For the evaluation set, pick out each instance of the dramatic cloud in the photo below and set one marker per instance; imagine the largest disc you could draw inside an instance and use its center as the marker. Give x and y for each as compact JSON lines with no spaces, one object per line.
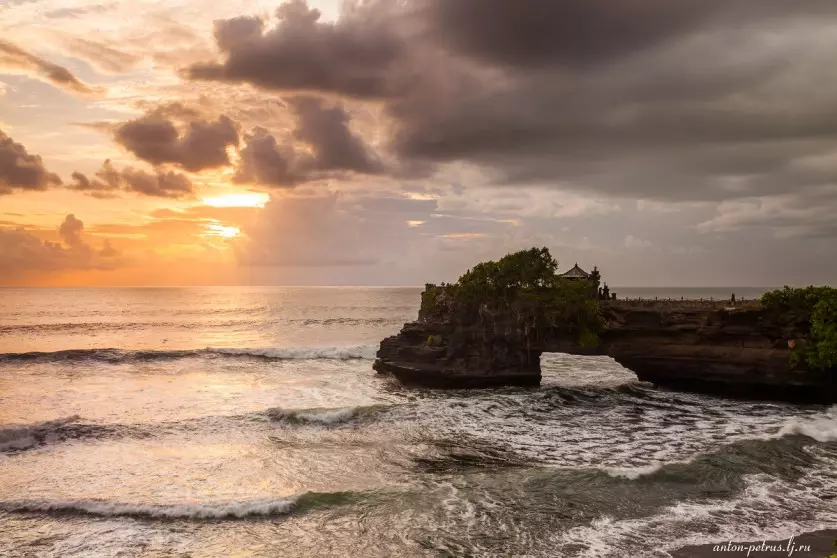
{"x":20,"y":170}
{"x":669,"y":141}
{"x":108,"y":181}
{"x":326,"y":130}
{"x":264,"y":161}
{"x":354,"y":56}
{"x":571,"y":33}
{"x":331,"y":147}
{"x":22,"y":251}
{"x":202,"y":145}
{"x":694,"y":100}
{"x":15,"y":58}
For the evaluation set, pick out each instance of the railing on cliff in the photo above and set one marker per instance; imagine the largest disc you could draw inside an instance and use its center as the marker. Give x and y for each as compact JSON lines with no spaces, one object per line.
{"x":705,"y":303}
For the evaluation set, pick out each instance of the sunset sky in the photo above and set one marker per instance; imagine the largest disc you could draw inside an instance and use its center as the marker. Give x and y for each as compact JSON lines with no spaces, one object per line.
{"x":197,"y":142}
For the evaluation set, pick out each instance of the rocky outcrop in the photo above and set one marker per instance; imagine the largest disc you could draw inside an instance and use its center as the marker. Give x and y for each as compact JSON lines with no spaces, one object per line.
{"x":742,"y":352}
{"x":708,"y":348}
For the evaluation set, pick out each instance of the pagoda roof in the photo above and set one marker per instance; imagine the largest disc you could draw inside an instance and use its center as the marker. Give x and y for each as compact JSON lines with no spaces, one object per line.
{"x":575,"y":273}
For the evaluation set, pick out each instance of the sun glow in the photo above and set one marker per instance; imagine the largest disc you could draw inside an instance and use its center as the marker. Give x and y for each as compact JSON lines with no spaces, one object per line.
{"x":222,"y":231}
{"x":248,"y":199}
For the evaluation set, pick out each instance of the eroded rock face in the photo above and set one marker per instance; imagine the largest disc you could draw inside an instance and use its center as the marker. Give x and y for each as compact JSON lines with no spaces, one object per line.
{"x":741,"y":352}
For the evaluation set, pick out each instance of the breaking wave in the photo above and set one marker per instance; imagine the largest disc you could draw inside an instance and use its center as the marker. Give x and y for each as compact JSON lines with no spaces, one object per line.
{"x":225,"y":510}
{"x":359,"y":352}
{"x":21,"y":437}
{"x":115,"y":356}
{"x":820,"y":428}
{"x":324,"y":415}
{"x":17,"y":438}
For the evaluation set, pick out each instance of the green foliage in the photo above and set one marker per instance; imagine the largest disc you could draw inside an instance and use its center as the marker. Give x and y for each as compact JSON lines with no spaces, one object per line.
{"x":792,"y":299}
{"x":820,"y":303}
{"x":588,"y":340}
{"x":823,"y":353}
{"x":526,"y":284}
{"x":527,"y":269}
{"x":428,"y":300}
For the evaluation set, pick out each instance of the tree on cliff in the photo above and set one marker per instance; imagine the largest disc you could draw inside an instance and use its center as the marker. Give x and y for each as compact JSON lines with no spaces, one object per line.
{"x":819,"y":305}
{"x":527,"y":269}
{"x":526,"y":284}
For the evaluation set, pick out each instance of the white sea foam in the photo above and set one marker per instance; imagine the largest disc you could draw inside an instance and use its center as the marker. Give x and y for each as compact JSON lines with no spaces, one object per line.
{"x":321,"y":416}
{"x":634,"y":473}
{"x":822,"y":428}
{"x":761,"y":512}
{"x":264,"y":507}
{"x":358,"y":352}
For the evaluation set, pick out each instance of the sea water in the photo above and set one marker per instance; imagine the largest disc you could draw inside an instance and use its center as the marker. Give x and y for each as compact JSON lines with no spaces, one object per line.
{"x":248,"y":422}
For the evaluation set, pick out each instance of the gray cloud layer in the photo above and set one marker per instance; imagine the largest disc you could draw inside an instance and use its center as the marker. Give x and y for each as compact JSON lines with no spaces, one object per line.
{"x":698,"y":100}
{"x":354,"y":56}
{"x":331,"y":148}
{"x":155,"y":138}
{"x":108,"y":181}
{"x":20,"y":170}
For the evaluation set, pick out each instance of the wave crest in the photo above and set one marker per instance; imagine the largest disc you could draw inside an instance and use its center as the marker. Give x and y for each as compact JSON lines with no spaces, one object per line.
{"x":224,"y":510}
{"x":359,"y":352}
{"x":117,"y":356}
{"x":324,"y":416}
{"x":21,"y":437}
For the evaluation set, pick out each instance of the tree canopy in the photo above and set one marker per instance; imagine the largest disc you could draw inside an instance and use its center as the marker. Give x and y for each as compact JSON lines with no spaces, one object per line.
{"x":525,"y":283}
{"x":820,"y":303}
{"x":527,"y":269}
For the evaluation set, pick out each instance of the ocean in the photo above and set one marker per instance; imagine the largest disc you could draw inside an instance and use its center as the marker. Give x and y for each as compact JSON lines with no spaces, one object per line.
{"x":248,"y":422}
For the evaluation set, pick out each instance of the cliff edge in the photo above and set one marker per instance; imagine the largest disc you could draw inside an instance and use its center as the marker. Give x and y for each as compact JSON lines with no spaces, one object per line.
{"x":694,"y":347}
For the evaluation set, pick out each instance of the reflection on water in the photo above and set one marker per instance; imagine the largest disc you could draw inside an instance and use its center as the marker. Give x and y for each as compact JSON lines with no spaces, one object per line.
{"x":196,"y":317}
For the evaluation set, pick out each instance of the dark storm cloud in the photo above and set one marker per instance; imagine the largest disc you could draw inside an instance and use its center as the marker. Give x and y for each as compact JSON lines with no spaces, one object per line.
{"x":572,"y":33}
{"x":20,"y":170}
{"x":332,"y":147}
{"x":354,"y":56}
{"x":14,"y":57}
{"x":109,"y":181}
{"x":156,"y":139}
{"x":582,"y":33}
{"x":326,"y":130}
{"x":695,"y":100}
{"x":264,"y":161}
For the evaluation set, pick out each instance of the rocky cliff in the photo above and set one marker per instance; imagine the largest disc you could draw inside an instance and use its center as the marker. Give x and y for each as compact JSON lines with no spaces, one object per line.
{"x":708,"y":348}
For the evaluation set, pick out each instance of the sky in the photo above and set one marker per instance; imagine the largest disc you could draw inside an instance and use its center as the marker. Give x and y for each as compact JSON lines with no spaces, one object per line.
{"x":399,"y":142}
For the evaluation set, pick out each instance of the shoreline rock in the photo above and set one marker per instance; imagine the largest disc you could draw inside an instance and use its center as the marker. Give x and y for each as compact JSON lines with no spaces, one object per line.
{"x":739,"y":352}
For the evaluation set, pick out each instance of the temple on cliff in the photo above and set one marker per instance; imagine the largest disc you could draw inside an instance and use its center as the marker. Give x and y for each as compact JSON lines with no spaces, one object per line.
{"x":575,"y":273}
